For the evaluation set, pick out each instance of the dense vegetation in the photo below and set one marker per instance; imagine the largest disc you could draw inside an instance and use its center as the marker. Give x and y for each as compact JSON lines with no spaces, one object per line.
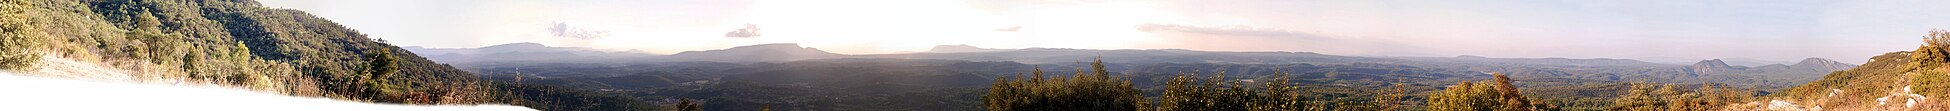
{"x":1644,"y":97}
{"x":241,"y":44}
{"x":14,"y":39}
{"x":1095,"y":90}
{"x":911,"y":84}
{"x":1498,"y":95}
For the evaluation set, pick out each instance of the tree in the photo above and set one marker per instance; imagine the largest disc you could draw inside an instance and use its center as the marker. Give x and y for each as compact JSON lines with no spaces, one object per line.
{"x":1935,"y":50}
{"x":1389,"y":99}
{"x":687,"y":105}
{"x":1184,"y":93}
{"x":378,"y":73}
{"x":1085,"y":91}
{"x":1640,"y":98}
{"x":1669,"y":96}
{"x":15,"y":44}
{"x":1497,"y":95}
{"x":1278,"y":95}
{"x":1511,"y":98}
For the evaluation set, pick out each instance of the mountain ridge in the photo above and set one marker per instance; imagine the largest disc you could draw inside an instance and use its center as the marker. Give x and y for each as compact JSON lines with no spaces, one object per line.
{"x":959,"y":49}
{"x":774,"y":52}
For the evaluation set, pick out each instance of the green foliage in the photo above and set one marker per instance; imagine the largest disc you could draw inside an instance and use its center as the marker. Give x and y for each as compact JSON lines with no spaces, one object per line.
{"x":1931,"y":79}
{"x":1389,"y":100}
{"x":378,"y":73}
{"x":1496,"y":95}
{"x":1935,"y":50}
{"x":1640,"y":98}
{"x":550,"y":98}
{"x":230,"y":42}
{"x":1086,"y":91}
{"x":1187,"y":93}
{"x":1183,"y":93}
{"x":16,"y":43}
{"x":1646,"y":97}
{"x":1464,"y":96}
{"x":1931,"y":83}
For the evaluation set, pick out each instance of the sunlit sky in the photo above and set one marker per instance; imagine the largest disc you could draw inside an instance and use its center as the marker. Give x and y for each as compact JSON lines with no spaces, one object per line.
{"x":1782,"y":30}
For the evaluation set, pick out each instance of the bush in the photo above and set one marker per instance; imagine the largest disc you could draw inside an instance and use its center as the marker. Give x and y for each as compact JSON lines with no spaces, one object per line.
{"x":16,"y":45}
{"x":1087,"y":91}
{"x":1931,"y":83}
{"x":1496,"y":95}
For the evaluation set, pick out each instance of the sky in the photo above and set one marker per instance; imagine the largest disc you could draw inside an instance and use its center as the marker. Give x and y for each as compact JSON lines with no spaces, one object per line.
{"x":1666,"y":30}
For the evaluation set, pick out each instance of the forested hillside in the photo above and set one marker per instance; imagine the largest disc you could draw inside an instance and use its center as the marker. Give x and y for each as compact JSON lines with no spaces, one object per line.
{"x":240,"y":44}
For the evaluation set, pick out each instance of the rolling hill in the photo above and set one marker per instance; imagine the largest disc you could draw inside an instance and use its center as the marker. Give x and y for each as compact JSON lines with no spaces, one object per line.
{"x":799,"y":78}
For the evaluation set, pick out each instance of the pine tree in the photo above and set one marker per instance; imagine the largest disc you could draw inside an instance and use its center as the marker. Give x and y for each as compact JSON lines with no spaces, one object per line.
{"x":377,"y":76}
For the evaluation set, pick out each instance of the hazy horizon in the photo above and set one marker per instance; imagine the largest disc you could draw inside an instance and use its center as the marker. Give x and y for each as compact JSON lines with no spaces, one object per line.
{"x":1848,"y":31}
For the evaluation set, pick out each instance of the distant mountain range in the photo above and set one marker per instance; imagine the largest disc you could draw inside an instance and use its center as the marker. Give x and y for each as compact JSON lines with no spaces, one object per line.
{"x":1598,"y":68}
{"x":960,"y":48}
{"x":519,"y":52}
{"x":782,"y":52}
{"x":762,"y":73}
{"x":756,"y":53}
{"x":1736,"y":61}
{"x":1717,"y":66}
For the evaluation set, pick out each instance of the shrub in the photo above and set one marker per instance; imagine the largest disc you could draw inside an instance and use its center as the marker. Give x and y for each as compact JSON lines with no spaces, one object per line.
{"x":1489,"y":95}
{"x":1932,"y":83}
{"x":16,"y":43}
{"x":1086,"y":91}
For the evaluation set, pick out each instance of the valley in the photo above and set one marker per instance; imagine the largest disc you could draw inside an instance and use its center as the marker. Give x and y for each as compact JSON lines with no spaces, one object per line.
{"x":798,"y":78}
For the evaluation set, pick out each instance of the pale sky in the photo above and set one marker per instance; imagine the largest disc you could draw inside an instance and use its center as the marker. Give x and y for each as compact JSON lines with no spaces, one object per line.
{"x":1782,"y":30}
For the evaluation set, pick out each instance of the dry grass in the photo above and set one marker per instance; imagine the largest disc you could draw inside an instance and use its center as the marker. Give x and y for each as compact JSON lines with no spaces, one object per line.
{"x":128,"y":71}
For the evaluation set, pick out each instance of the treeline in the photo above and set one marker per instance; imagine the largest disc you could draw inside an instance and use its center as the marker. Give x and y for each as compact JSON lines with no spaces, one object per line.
{"x":1487,"y":95}
{"x":1097,"y":90}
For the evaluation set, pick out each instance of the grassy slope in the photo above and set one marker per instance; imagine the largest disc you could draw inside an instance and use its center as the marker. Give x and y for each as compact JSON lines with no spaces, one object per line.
{"x":1888,"y":82}
{"x":239,"y":43}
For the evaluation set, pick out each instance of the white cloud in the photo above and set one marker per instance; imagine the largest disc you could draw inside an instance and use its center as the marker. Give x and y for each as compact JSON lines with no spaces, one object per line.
{"x":748,"y":31}
{"x":566,"y":31}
